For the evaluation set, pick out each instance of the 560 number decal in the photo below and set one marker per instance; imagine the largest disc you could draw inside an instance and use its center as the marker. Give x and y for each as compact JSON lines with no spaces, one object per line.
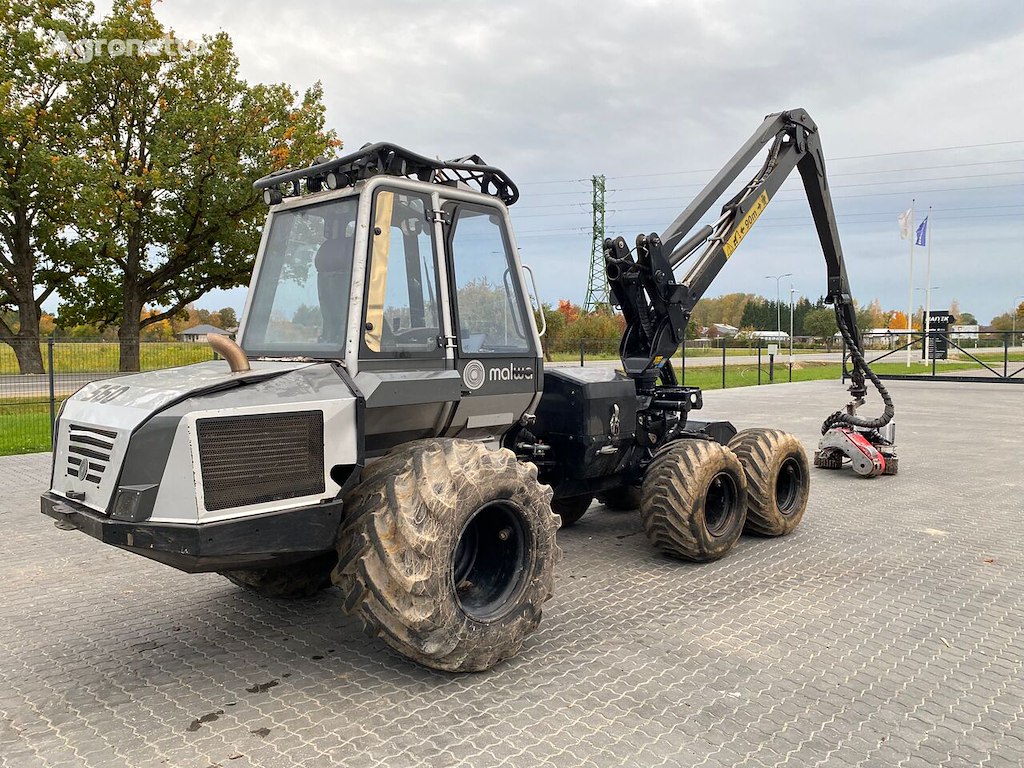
{"x":104,"y":393}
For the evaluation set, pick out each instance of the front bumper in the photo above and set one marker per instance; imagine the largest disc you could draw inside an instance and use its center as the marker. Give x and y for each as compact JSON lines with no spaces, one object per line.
{"x":260,"y":541}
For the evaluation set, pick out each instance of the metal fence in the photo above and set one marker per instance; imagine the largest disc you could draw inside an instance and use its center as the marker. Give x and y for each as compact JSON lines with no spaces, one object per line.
{"x":29,"y":402}
{"x":720,"y":364}
{"x":967,"y":357}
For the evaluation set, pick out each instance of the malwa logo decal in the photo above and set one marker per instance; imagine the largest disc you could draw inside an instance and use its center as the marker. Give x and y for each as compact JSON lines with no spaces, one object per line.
{"x":474,"y":375}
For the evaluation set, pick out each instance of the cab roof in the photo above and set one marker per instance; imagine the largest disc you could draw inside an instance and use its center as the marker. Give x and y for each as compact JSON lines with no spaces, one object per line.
{"x":392,"y":160}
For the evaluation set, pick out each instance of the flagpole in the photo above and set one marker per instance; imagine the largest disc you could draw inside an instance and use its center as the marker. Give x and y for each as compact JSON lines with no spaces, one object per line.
{"x":910,"y":288}
{"x":926,"y":321}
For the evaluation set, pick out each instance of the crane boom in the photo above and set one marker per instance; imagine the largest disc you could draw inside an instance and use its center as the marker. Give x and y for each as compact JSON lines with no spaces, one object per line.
{"x":657,"y":304}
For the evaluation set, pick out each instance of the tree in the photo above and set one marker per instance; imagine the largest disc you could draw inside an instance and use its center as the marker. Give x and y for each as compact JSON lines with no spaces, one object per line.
{"x":727,"y":309}
{"x":966,"y":318}
{"x":898,"y":321}
{"x":175,"y":140}
{"x":821,"y":323}
{"x":569,"y":311}
{"x":228,"y":318}
{"x":1009,"y":320}
{"x":555,"y":328}
{"x":39,"y":166}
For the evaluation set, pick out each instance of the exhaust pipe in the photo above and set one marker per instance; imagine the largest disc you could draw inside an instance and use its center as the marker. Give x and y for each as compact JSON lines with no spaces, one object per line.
{"x":229,"y":350}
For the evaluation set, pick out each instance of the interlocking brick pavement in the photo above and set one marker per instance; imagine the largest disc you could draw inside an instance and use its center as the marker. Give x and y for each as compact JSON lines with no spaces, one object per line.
{"x":886,"y":631}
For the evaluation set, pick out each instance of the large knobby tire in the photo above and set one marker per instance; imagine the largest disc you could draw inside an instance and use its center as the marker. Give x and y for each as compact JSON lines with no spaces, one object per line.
{"x":778,"y":479}
{"x":624,"y":498}
{"x":694,"y":500}
{"x":287,"y":582}
{"x":571,"y":508}
{"x":447,"y":553}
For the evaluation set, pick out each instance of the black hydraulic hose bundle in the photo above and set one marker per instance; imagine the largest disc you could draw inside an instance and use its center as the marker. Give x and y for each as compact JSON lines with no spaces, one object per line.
{"x":859,"y":364}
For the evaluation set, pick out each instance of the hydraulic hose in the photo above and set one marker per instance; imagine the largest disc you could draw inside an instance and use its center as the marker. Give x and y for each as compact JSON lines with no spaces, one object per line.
{"x":851,"y":419}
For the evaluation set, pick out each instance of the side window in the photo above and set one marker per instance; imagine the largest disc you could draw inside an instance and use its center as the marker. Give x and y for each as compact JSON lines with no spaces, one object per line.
{"x":401,"y":296}
{"x":487,"y":297}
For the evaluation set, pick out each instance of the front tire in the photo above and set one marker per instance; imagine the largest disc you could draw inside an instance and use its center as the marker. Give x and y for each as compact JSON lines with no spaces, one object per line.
{"x":778,"y":479}
{"x":447,"y":553}
{"x":694,"y":500}
{"x":287,"y":582}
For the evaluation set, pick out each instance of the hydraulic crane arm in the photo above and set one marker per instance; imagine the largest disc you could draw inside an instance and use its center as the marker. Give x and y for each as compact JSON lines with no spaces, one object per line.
{"x":657,"y":306}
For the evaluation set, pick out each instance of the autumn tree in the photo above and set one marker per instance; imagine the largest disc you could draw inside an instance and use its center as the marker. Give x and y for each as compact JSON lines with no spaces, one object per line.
{"x":821,"y":323}
{"x":898,"y":321}
{"x":175,"y":140}
{"x":40,"y":166}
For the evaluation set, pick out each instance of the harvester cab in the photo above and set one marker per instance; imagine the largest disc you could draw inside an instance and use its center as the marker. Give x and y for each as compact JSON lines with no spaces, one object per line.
{"x":405,"y":271}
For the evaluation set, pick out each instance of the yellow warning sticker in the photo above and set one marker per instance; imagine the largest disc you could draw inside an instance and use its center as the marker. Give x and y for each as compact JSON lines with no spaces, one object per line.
{"x":736,"y":237}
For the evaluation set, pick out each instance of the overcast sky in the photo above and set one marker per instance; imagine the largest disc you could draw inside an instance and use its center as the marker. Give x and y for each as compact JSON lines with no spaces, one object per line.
{"x":658,"y":95}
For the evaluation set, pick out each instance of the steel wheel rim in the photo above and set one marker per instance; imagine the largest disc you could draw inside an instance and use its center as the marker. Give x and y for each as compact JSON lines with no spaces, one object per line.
{"x":787,"y":486}
{"x":490,"y":561}
{"x":720,"y":503}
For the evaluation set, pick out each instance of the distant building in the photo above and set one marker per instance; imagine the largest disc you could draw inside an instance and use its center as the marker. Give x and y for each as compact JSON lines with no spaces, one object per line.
{"x":770,"y":335}
{"x":723,"y":329}
{"x":198,"y":333}
{"x":964,"y":332}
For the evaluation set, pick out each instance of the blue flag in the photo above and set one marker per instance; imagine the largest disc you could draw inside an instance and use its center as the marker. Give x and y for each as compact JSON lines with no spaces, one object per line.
{"x":922,"y":233}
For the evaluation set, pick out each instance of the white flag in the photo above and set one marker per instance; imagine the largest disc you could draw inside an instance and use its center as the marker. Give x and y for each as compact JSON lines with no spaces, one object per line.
{"x":906,"y":220}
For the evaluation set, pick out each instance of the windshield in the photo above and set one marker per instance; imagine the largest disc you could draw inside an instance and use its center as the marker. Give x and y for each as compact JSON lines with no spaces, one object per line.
{"x":300,"y":301}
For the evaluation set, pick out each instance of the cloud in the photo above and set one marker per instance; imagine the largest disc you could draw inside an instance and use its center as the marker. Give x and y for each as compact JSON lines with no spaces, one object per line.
{"x":562,"y":91}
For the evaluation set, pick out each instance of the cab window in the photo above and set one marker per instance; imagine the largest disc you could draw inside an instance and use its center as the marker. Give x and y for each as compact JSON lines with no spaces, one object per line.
{"x":301,"y":295}
{"x":488,"y":301}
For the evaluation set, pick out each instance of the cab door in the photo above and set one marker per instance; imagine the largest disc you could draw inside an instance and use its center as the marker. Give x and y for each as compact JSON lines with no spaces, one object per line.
{"x":403,"y":370}
{"x":496,"y":347}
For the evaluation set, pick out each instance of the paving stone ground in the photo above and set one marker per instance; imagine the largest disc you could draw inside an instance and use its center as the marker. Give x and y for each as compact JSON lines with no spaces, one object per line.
{"x":888,"y":630}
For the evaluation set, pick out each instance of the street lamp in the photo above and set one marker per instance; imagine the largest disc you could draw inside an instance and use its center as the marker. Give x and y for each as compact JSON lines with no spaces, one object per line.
{"x":778,"y":299}
{"x":792,"y":290}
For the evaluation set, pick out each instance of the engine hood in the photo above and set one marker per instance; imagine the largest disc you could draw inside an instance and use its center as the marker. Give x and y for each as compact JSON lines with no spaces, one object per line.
{"x":124,"y":402}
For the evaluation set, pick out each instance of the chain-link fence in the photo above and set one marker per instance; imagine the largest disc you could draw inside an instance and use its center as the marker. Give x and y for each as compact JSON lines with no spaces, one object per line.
{"x":28,"y":402}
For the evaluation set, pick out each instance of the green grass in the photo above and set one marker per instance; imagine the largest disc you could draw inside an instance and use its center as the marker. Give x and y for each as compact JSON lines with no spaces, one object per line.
{"x":102,"y":356}
{"x":24,"y":427}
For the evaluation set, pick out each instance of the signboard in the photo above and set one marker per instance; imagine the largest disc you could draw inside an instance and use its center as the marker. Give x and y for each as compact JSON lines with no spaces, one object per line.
{"x":939,"y":322}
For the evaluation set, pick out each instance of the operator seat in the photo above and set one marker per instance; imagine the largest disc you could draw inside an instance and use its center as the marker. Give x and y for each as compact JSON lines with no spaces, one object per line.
{"x":333,"y":263}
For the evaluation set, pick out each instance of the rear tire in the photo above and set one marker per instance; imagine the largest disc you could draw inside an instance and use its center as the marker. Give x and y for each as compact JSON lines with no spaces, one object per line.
{"x":624,"y":498}
{"x":447,"y":553}
{"x":571,"y":508}
{"x":288,"y":582}
{"x":694,"y":500}
{"x":778,"y":479}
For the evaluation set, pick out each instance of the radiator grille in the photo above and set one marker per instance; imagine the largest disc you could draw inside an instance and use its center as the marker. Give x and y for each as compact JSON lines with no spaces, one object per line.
{"x":89,"y":452}
{"x":254,"y":459}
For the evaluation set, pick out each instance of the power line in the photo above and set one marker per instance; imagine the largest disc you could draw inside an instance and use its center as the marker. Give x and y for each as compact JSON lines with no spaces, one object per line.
{"x":768,"y":225}
{"x":836,"y":175}
{"x":830,"y":160}
{"x":517,"y":216}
